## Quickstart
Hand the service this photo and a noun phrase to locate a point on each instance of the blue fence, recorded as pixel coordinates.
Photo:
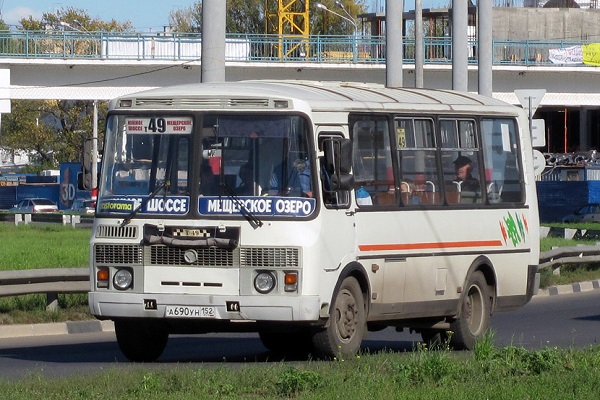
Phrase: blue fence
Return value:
(260, 48)
(558, 198)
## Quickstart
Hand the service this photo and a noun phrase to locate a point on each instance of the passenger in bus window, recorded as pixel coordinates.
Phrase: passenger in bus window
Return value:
(246, 187)
(464, 177)
(291, 180)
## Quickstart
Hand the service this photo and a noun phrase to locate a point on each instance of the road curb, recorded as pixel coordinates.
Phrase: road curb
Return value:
(571, 288)
(56, 328)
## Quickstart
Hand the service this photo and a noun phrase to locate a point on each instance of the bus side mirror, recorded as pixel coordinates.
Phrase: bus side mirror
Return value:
(89, 172)
(338, 163)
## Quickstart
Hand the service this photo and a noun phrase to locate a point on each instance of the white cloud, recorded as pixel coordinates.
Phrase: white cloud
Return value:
(14, 15)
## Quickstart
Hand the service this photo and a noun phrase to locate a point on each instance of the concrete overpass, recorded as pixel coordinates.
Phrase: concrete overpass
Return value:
(67, 65)
(566, 86)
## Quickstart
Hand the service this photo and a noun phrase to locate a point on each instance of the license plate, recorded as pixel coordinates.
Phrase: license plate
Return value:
(190, 312)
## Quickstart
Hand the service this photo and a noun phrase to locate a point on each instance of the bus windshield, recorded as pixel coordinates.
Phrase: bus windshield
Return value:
(230, 157)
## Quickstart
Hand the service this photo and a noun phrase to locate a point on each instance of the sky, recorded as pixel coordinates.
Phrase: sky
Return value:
(145, 15)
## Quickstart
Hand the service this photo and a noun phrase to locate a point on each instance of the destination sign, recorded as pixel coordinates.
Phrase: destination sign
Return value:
(170, 205)
(158, 125)
(259, 206)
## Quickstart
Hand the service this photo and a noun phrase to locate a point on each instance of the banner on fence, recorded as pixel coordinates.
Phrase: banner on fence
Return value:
(591, 54)
(568, 55)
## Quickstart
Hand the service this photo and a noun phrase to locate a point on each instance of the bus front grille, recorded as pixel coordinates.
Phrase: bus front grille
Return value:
(270, 257)
(208, 257)
(118, 254)
(116, 231)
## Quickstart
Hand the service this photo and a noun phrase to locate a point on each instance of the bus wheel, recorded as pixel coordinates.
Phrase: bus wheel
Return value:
(141, 341)
(287, 342)
(474, 318)
(346, 327)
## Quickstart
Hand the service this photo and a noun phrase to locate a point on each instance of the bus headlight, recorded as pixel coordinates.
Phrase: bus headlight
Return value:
(123, 279)
(264, 282)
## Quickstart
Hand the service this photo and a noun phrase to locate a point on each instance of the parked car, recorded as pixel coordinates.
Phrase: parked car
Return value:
(587, 213)
(35, 206)
(83, 206)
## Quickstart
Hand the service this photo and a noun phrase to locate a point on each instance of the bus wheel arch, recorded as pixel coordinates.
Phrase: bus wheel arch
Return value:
(476, 306)
(346, 326)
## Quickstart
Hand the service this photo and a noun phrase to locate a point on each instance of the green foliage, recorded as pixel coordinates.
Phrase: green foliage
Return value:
(52, 131)
(293, 381)
(76, 17)
(248, 16)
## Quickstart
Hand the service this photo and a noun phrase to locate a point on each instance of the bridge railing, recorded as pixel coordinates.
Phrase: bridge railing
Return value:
(260, 48)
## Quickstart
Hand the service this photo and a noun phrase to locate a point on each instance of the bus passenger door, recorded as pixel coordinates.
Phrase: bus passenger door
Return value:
(337, 222)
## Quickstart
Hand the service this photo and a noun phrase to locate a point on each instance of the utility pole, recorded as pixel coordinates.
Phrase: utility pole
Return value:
(460, 58)
(484, 52)
(393, 39)
(213, 41)
(419, 53)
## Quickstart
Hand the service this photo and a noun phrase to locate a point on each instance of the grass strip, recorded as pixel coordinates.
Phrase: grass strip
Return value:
(488, 372)
(48, 246)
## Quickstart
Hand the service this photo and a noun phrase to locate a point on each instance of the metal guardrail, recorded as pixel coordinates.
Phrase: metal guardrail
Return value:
(77, 280)
(569, 255)
(51, 281)
(357, 49)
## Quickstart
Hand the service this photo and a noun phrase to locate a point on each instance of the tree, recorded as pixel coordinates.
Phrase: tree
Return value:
(53, 131)
(248, 16)
(187, 19)
(76, 17)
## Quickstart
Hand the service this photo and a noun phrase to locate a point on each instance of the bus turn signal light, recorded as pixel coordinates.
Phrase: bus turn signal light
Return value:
(291, 281)
(102, 276)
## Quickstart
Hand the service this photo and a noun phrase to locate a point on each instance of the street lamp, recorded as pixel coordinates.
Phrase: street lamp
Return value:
(354, 38)
(340, 5)
(324, 8)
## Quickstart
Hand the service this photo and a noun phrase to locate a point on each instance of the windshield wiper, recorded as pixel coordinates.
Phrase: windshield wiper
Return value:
(252, 219)
(163, 185)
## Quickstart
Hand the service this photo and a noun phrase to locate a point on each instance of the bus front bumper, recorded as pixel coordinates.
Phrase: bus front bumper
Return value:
(111, 305)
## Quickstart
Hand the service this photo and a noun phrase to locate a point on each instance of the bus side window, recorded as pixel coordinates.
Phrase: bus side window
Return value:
(460, 162)
(503, 180)
(372, 162)
(419, 179)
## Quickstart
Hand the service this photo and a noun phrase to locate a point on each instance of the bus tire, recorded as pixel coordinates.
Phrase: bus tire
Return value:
(475, 312)
(141, 341)
(343, 333)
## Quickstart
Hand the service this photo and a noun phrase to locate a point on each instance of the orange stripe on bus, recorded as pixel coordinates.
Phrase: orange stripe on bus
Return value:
(433, 245)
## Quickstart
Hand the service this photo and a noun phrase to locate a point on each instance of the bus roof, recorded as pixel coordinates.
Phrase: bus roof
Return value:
(319, 95)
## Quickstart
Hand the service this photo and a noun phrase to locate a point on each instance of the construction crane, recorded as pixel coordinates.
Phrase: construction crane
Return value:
(290, 20)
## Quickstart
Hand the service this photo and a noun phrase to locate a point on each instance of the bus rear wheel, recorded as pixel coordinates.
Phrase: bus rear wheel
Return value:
(346, 327)
(475, 314)
(141, 341)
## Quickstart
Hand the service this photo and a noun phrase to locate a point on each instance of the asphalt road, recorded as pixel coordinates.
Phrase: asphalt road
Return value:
(564, 321)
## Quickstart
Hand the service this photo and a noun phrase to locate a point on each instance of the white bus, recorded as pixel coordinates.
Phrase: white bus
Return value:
(311, 213)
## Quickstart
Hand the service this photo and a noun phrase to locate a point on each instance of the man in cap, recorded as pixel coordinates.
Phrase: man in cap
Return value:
(463, 168)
